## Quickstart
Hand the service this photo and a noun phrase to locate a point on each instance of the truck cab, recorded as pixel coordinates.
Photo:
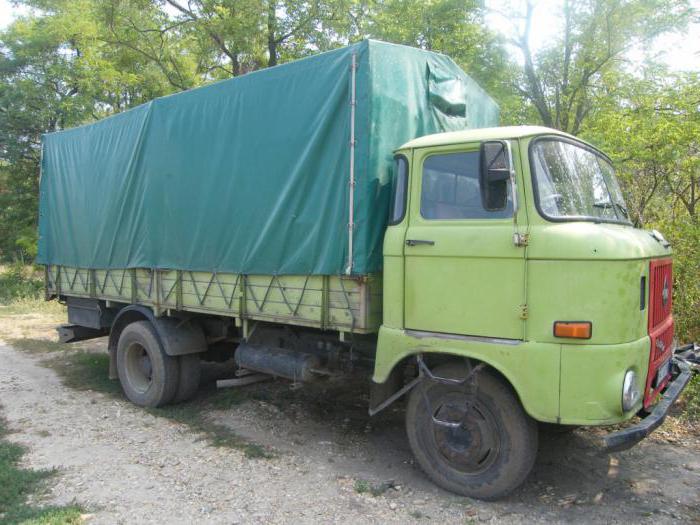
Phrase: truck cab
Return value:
(512, 248)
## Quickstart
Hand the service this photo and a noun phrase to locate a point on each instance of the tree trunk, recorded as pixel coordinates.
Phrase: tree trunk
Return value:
(272, 33)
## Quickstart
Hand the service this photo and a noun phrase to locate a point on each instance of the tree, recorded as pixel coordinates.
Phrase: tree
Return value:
(650, 125)
(62, 69)
(561, 80)
(244, 35)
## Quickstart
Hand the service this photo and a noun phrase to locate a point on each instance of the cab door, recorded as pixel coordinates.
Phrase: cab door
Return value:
(463, 272)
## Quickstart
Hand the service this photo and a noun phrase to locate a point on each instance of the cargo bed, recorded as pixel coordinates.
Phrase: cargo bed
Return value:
(345, 304)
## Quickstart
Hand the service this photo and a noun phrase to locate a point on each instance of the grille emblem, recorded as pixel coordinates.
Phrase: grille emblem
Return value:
(665, 293)
(660, 346)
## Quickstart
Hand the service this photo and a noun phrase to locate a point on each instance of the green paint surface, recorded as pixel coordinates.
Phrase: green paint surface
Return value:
(484, 298)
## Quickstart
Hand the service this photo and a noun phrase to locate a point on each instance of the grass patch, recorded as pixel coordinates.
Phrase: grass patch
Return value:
(192, 415)
(89, 371)
(362, 486)
(691, 400)
(19, 282)
(22, 292)
(226, 398)
(31, 345)
(71, 515)
(33, 306)
(86, 371)
(17, 485)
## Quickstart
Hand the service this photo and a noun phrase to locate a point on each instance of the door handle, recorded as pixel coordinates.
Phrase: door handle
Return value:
(416, 242)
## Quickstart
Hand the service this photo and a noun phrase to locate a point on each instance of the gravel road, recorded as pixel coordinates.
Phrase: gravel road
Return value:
(127, 466)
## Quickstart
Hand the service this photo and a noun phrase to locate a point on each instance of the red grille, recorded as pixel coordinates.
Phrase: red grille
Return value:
(660, 326)
(660, 292)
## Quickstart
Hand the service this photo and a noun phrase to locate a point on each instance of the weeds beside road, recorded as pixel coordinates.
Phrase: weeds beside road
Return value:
(18, 485)
(20, 283)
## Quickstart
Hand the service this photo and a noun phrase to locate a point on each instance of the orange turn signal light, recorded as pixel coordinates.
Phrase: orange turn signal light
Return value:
(573, 329)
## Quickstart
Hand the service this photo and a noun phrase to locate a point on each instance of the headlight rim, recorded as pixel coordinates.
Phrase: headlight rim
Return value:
(630, 391)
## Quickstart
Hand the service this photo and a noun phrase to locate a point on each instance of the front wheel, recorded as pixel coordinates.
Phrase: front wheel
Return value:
(480, 445)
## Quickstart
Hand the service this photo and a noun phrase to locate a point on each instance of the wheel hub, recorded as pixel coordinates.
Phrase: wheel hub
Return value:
(468, 436)
(139, 368)
(145, 365)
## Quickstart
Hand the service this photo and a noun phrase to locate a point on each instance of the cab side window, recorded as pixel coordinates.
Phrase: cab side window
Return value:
(399, 190)
(450, 189)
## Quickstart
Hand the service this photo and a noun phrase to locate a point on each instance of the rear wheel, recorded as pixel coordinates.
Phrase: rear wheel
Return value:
(149, 377)
(479, 445)
(190, 374)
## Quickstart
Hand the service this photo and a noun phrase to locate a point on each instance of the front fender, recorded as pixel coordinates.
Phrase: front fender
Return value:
(531, 368)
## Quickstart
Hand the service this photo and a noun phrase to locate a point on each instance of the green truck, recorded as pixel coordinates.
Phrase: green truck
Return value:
(361, 207)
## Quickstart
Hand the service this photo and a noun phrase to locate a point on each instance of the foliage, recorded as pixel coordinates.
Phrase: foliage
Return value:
(363, 486)
(17, 485)
(650, 125)
(561, 80)
(454, 27)
(17, 282)
(62, 69)
(691, 400)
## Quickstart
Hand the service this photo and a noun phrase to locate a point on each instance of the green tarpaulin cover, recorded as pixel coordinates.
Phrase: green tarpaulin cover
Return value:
(251, 174)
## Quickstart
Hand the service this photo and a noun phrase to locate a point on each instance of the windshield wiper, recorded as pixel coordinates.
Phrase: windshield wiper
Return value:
(622, 209)
(611, 205)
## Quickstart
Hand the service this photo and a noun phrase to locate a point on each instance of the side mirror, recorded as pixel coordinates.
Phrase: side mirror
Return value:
(495, 174)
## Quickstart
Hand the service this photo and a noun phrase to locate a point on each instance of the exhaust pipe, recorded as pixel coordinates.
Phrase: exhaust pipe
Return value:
(280, 362)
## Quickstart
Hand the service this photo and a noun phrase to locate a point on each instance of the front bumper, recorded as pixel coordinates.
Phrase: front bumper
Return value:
(686, 361)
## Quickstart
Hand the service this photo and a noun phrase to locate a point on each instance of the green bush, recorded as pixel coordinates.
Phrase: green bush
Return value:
(684, 236)
(20, 282)
(691, 397)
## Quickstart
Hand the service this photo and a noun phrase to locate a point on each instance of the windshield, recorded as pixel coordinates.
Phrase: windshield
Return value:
(573, 182)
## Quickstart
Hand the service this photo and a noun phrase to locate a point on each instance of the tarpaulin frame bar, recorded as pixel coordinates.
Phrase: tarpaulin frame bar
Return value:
(351, 199)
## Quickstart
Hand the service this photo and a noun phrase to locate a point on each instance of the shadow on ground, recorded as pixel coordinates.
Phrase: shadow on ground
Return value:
(329, 423)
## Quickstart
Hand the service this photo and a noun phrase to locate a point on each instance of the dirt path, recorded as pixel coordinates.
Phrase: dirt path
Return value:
(127, 466)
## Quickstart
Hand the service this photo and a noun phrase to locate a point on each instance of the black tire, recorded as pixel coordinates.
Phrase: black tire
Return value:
(149, 377)
(501, 438)
(190, 374)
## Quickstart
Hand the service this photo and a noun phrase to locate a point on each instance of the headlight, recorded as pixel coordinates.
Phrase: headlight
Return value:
(630, 391)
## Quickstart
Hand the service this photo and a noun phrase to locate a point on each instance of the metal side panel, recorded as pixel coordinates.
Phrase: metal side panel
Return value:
(113, 285)
(211, 292)
(72, 281)
(328, 302)
(295, 299)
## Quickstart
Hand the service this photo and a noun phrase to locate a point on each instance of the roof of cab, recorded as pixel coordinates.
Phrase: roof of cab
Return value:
(471, 135)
